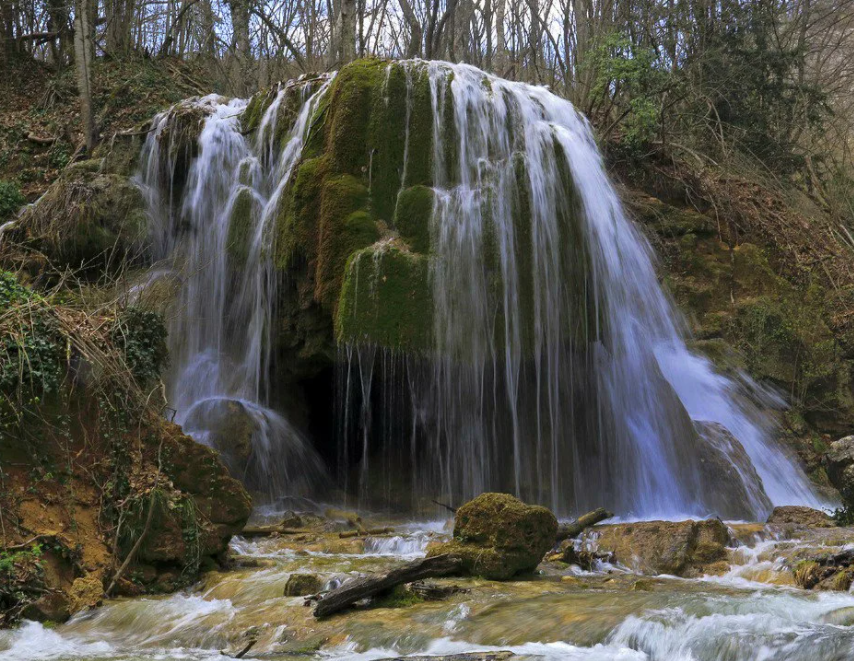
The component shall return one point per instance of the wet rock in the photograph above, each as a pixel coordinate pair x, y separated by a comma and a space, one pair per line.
800, 516
839, 464
471, 656
828, 571
730, 483
227, 427
85, 592
50, 607
680, 548
302, 585
198, 517
498, 536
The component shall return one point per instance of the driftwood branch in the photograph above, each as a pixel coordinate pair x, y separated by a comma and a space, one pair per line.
453, 510
268, 531
365, 532
40, 140
369, 586
575, 528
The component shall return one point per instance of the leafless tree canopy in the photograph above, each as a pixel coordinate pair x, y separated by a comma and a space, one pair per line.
771, 78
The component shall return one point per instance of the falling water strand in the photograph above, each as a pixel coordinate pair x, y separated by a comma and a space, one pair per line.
558, 371
215, 233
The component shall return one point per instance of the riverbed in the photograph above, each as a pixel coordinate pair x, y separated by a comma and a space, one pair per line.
748, 611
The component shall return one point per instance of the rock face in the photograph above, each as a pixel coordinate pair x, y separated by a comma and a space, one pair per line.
728, 474
829, 571
839, 464
680, 548
800, 516
498, 536
206, 508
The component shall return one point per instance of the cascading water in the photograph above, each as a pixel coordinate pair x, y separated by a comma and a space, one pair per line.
558, 370
216, 236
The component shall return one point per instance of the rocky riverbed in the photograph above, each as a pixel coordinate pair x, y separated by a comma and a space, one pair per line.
737, 597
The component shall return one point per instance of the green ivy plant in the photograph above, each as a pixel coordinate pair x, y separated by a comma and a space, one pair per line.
11, 199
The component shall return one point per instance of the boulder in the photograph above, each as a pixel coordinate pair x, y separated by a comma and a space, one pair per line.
828, 571
227, 427
680, 548
731, 486
498, 536
86, 592
800, 516
839, 464
301, 585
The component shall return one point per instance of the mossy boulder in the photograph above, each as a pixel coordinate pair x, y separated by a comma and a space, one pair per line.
88, 219
301, 585
498, 536
386, 298
795, 515
197, 516
679, 548
412, 217
839, 464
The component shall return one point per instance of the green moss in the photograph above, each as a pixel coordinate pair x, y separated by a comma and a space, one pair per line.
412, 217
386, 299
241, 226
251, 118
353, 96
345, 227
419, 166
297, 222
397, 597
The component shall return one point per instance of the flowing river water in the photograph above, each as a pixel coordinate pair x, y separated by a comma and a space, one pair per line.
750, 612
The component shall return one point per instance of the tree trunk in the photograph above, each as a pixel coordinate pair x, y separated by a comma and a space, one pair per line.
119, 15
83, 63
361, 588
416, 34
500, 52
242, 45
347, 24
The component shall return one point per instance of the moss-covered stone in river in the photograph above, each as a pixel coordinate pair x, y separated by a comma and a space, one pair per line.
412, 217
386, 299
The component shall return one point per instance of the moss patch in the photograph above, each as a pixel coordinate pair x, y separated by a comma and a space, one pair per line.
241, 226
412, 217
386, 299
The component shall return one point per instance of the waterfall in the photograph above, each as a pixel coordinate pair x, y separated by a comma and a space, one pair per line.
215, 235
557, 368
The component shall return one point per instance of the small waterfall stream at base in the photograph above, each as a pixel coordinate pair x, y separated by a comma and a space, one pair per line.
557, 368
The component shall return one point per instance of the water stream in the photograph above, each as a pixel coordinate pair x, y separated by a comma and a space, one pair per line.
752, 612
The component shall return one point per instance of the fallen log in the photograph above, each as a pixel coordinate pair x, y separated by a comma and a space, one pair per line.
267, 531
575, 528
369, 586
466, 656
363, 533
